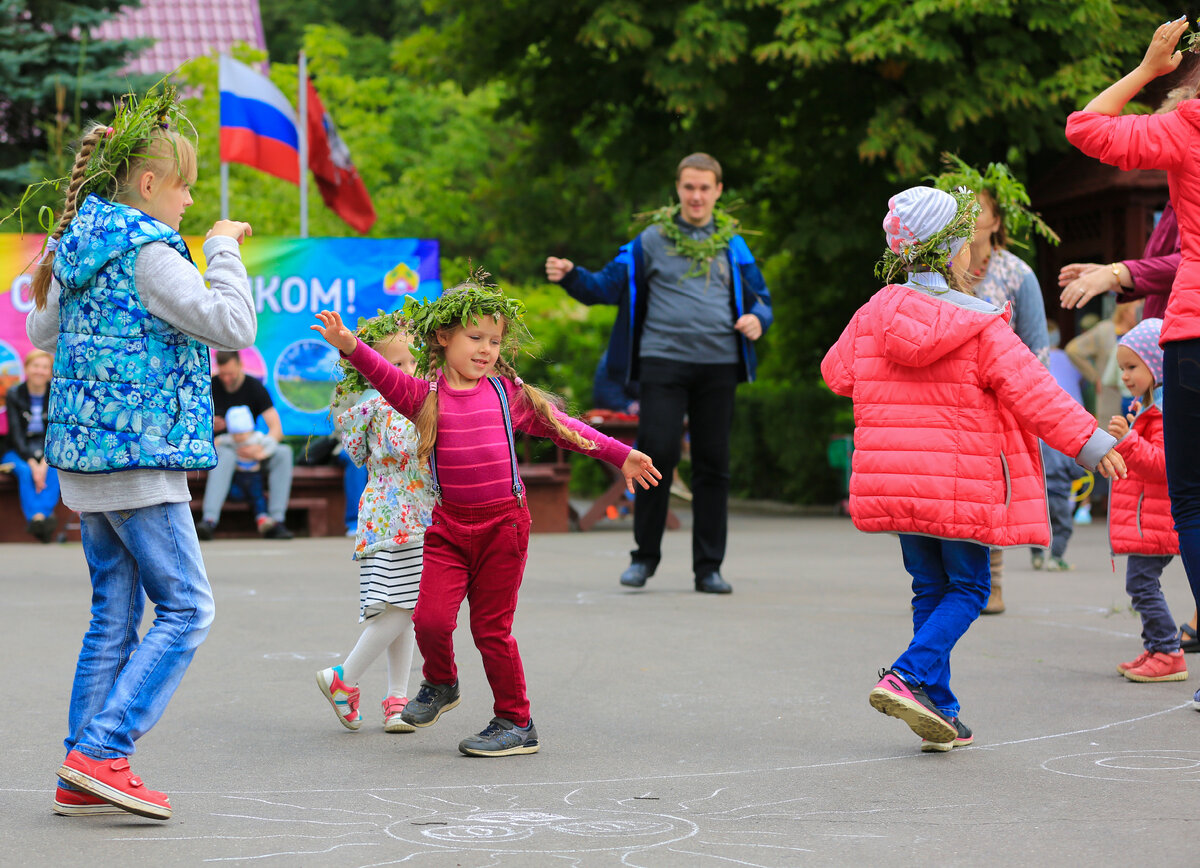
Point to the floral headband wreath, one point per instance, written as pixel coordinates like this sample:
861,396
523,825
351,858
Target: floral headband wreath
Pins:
135,122
1009,194
932,253
467,303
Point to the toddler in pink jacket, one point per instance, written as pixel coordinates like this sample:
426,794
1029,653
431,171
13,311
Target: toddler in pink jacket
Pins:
948,408
1139,513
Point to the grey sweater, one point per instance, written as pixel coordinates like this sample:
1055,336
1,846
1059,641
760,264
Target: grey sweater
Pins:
171,288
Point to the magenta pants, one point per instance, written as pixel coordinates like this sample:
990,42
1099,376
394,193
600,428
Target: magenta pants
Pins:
476,552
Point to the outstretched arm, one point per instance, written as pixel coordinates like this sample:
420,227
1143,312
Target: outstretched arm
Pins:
638,467
403,392
1161,58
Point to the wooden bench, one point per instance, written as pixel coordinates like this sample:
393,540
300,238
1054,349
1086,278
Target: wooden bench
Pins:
316,507
12,519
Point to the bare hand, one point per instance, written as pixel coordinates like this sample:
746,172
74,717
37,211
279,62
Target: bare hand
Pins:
1161,56
639,466
749,325
557,269
251,452
1112,465
1087,286
1073,270
235,229
38,469
334,332
1118,426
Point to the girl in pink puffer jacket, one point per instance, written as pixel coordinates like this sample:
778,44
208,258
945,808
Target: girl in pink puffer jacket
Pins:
1139,512
948,408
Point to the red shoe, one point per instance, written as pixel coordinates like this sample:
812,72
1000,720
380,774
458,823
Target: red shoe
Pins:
74,803
1134,663
1160,667
114,782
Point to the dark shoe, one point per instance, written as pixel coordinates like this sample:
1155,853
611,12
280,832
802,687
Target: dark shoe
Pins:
430,702
205,529
909,702
963,739
713,584
637,573
1188,641
278,531
501,738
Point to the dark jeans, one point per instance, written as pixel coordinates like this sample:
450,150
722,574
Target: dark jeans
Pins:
1181,421
1061,471
1142,573
704,394
247,486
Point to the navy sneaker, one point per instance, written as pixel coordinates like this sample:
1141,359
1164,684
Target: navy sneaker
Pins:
430,702
898,698
1196,701
963,738
501,738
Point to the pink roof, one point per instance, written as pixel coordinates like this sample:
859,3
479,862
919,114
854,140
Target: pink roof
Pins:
184,29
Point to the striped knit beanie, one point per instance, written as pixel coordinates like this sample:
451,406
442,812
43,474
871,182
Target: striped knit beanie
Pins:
916,215
1143,340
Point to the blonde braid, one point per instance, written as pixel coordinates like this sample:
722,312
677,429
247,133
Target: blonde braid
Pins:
427,417
45,270
543,405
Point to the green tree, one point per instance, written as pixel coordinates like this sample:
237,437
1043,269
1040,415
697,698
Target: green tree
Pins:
52,76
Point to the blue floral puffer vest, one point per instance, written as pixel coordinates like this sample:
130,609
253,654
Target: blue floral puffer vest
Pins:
129,390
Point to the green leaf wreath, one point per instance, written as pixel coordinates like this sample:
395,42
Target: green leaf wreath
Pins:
1009,193
701,251
932,254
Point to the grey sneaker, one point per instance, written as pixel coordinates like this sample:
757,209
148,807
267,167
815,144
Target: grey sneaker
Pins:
501,738
431,700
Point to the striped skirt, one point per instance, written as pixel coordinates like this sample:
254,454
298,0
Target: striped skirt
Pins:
389,577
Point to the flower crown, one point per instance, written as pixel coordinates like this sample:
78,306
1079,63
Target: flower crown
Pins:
932,253
462,305
1009,193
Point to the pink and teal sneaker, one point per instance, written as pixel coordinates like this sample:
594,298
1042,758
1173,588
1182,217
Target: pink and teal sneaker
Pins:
897,698
341,696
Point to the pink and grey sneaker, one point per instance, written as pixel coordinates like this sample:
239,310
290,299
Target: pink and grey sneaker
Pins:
963,738
112,781
895,697
393,707
77,803
341,696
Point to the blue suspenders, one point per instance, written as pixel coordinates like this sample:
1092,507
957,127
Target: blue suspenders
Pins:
518,488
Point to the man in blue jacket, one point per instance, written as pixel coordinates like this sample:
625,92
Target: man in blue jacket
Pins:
691,302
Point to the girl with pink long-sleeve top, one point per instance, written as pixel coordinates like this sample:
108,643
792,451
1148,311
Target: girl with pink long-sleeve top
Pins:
477,545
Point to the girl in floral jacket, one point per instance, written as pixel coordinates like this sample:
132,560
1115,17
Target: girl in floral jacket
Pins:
395,508
948,407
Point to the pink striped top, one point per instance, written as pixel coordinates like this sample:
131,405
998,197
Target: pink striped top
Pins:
472,448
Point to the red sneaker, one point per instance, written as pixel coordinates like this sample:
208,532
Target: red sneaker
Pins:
114,782
1134,663
1160,667
74,803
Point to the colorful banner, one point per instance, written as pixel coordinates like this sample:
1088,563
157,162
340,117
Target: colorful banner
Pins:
292,278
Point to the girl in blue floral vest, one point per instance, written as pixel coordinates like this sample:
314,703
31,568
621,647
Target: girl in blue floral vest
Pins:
127,315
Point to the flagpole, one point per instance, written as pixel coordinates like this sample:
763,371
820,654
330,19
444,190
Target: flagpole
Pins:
302,129
224,190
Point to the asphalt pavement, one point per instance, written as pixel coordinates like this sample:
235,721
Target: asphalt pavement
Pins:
677,728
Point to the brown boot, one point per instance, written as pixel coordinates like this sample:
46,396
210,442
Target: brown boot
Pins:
995,603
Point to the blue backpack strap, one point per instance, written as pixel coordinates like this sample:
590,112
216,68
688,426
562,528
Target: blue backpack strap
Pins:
518,487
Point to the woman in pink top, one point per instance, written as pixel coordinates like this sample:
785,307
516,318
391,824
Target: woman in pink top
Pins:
1168,141
478,542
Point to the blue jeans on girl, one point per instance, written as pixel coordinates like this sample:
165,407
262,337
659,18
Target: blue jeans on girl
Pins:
118,695
951,580
1181,421
33,502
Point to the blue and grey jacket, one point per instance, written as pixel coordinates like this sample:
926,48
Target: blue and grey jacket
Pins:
129,390
623,282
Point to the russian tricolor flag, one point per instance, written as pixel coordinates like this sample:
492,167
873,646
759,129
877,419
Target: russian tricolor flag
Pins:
258,124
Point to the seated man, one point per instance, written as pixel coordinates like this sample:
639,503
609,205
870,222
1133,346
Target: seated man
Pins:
248,476
232,388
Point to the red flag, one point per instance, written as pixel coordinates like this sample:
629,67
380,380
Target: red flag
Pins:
337,179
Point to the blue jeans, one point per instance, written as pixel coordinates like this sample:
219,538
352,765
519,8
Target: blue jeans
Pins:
33,502
354,480
1181,421
1142,572
951,580
119,695
1061,472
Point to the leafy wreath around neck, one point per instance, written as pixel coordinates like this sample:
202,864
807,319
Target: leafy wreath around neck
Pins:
700,251
1010,195
932,254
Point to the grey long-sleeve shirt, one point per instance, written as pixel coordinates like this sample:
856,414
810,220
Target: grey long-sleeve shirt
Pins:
221,315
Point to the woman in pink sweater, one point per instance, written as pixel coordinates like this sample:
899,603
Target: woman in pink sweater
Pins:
478,541
1168,141
948,408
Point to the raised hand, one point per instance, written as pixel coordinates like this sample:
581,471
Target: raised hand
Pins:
235,229
332,329
557,269
1161,56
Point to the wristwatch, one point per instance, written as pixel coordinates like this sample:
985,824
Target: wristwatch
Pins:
1116,270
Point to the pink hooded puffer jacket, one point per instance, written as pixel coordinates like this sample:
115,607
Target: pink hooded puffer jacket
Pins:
1139,509
948,406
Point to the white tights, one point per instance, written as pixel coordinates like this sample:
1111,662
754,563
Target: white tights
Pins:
390,630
